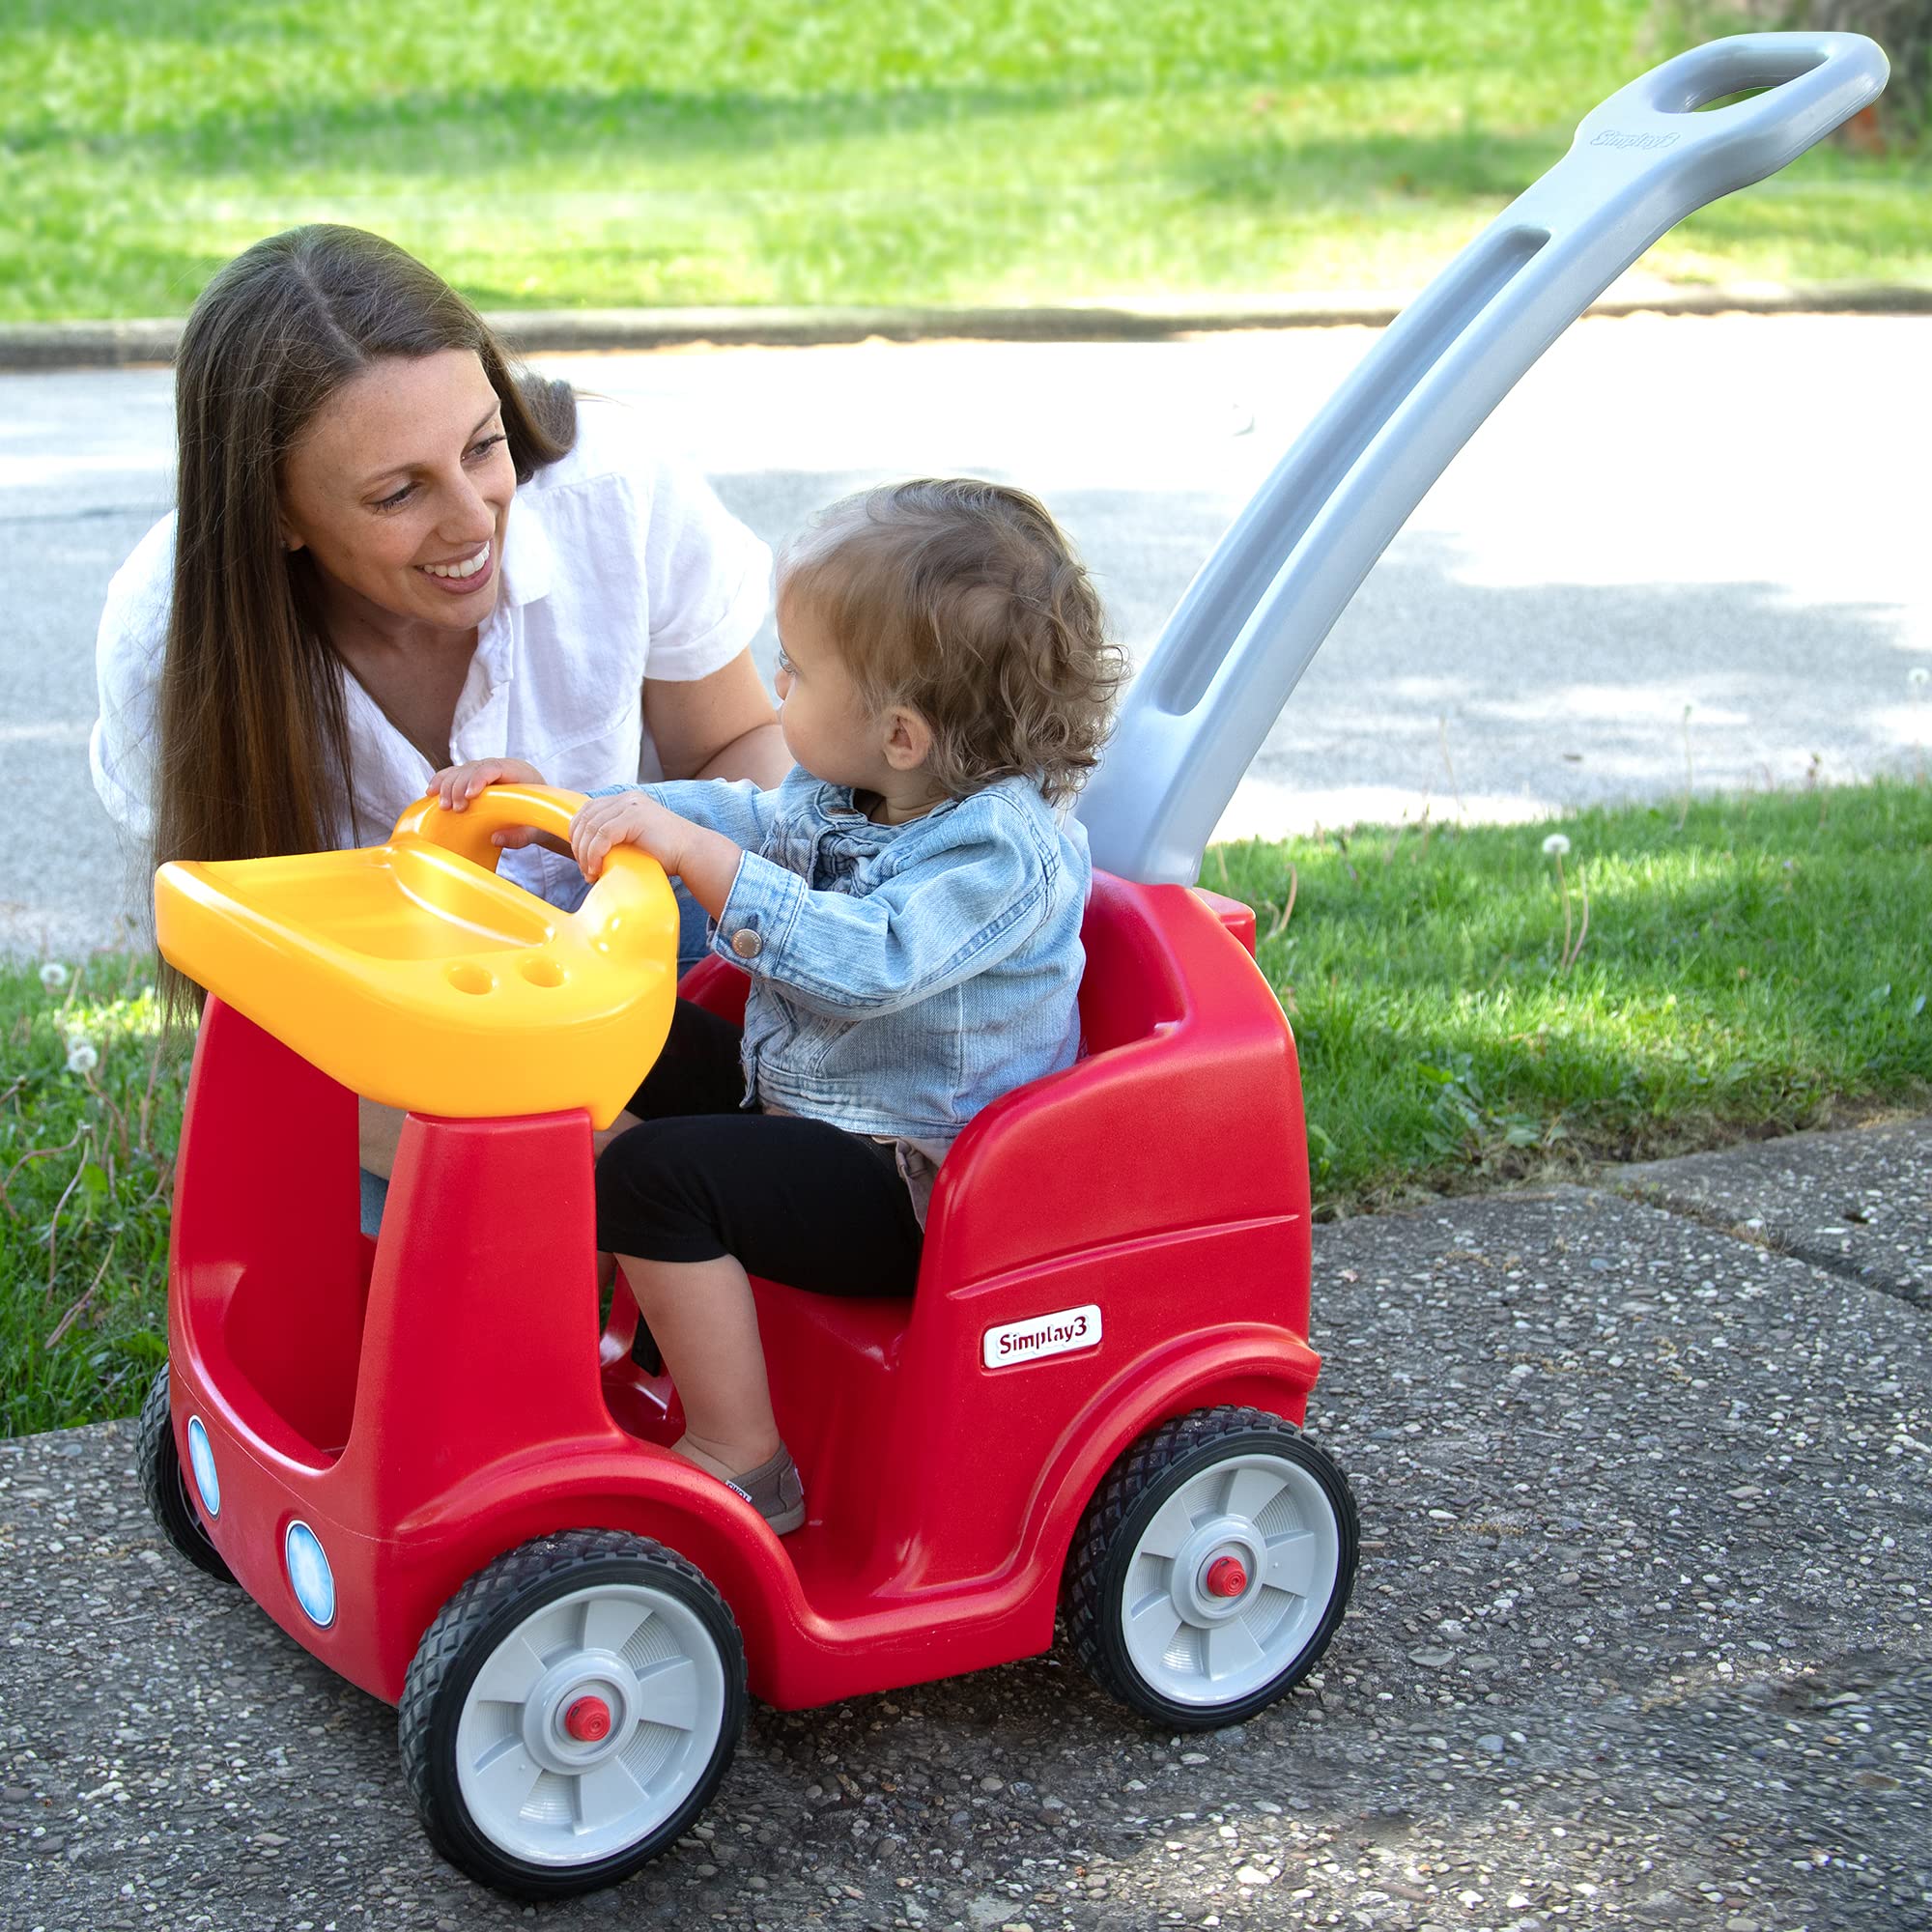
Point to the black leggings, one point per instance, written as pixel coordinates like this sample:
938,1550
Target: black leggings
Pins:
796,1201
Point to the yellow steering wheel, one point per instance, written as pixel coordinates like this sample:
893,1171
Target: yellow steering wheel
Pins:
414,976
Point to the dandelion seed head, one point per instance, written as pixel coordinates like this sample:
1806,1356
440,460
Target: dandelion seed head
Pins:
1918,675
1556,846
53,976
81,1056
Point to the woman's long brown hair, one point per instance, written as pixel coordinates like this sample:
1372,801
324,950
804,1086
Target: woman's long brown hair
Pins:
253,751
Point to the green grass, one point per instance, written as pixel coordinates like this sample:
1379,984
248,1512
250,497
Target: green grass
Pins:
827,150
86,1165
1759,967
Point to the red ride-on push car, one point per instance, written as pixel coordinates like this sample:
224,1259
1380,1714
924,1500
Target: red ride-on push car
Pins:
418,1454
415,1455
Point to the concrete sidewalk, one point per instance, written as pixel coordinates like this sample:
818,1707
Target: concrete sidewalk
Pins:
1639,1638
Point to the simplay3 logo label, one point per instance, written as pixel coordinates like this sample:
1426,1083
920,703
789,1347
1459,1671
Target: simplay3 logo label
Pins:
1017,1341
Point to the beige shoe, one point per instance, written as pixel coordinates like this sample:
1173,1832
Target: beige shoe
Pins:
775,1490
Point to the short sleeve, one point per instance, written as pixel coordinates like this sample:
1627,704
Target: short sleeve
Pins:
127,653
707,577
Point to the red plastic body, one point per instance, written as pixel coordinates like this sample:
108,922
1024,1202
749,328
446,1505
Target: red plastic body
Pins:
429,1401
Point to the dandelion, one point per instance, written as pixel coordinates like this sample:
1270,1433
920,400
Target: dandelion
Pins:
1554,847
1918,676
53,976
81,1056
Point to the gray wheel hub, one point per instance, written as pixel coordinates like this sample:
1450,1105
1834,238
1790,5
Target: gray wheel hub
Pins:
592,1677
1200,1634
589,1723
1201,1579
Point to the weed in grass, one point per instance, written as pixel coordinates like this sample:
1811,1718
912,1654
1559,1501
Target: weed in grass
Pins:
1279,925
1689,771
1465,1126
1556,847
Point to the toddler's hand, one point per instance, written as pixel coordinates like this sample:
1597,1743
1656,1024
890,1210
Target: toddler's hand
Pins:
456,785
628,818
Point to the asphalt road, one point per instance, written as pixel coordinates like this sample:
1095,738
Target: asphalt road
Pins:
1683,549
1639,1640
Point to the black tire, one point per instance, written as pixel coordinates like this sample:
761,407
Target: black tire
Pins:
1288,1630
503,1598
164,1482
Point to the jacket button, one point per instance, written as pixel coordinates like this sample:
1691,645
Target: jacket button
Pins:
746,944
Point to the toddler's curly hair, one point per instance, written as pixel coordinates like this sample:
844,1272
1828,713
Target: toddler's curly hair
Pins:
964,600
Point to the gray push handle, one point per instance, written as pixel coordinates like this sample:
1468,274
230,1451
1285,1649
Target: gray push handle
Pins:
1247,628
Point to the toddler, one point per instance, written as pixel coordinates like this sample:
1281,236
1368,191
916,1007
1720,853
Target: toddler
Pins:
908,904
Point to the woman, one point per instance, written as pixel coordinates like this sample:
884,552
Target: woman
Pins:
392,551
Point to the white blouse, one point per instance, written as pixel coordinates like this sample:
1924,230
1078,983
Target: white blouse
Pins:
618,564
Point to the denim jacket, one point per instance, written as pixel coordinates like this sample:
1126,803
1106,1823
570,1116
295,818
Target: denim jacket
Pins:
902,976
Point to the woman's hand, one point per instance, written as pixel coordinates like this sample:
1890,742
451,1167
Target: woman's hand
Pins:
456,785
706,860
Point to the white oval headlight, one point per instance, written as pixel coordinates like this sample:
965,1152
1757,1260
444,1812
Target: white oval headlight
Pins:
201,1459
309,1575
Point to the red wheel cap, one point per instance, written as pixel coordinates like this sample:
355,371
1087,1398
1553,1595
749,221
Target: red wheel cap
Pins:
588,1721
1226,1577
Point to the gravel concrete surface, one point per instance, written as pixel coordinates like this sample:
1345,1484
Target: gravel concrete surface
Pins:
1856,1204
1639,1638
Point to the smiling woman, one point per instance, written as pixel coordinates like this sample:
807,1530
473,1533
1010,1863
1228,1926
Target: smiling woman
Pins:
393,550
400,494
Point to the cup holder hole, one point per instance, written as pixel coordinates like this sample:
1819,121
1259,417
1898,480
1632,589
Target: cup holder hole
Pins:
542,972
470,978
